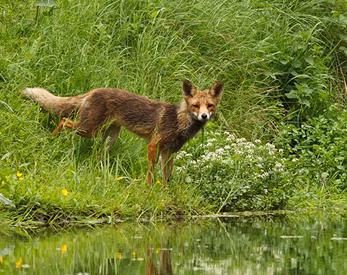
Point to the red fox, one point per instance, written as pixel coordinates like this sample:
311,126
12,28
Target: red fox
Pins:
166,127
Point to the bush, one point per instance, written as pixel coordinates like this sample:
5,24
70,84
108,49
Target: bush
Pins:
234,174
318,149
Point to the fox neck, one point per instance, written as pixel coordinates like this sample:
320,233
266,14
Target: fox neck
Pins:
187,125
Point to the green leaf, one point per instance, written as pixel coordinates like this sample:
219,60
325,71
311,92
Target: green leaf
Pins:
292,94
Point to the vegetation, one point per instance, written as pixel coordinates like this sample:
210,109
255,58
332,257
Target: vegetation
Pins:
282,63
237,174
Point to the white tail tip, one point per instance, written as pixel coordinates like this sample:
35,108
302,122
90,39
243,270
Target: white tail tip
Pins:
27,91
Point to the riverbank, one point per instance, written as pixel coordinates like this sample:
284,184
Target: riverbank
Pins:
277,142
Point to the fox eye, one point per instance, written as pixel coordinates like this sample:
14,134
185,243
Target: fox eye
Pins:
210,106
196,105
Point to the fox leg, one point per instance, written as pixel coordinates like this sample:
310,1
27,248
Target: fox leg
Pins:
152,159
68,123
64,122
111,134
167,165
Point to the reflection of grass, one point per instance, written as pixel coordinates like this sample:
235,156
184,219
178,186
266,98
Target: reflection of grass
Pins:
148,47
245,245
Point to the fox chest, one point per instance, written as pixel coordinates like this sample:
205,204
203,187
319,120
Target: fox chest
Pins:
174,141
175,131
174,144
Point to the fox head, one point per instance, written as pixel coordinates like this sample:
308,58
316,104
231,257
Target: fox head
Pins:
201,105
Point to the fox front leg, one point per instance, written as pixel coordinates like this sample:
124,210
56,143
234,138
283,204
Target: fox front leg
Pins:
167,166
152,159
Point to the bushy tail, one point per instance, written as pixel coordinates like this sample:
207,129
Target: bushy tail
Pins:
61,106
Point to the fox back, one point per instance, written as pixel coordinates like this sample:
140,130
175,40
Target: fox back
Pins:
165,126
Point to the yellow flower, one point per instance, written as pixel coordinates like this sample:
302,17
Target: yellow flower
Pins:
120,178
19,263
64,192
133,254
1,259
19,175
158,182
63,249
118,255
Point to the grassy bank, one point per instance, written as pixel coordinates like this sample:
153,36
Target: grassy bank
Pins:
283,69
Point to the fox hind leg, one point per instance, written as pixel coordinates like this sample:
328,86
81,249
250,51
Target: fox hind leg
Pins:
110,135
64,122
68,123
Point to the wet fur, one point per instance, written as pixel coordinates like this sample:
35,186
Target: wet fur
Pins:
165,126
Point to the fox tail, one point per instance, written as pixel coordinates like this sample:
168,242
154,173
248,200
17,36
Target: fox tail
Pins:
61,106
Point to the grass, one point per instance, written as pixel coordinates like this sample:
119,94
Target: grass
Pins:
265,52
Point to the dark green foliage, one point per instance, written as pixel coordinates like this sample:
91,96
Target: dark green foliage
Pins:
318,149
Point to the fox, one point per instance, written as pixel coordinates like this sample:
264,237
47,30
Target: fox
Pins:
166,127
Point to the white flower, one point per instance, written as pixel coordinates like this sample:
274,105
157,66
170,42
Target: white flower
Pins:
229,136
264,175
218,178
220,151
209,144
241,140
271,148
325,175
192,162
278,167
179,169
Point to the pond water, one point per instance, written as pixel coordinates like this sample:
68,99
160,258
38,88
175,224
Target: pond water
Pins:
295,244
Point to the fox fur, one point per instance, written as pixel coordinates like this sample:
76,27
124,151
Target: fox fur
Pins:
166,127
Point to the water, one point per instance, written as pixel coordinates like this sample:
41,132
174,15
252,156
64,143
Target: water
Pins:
299,244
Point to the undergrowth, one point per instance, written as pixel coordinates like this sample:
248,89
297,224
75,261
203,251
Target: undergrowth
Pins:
282,63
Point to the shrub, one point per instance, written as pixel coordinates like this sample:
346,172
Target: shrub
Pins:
318,149
235,174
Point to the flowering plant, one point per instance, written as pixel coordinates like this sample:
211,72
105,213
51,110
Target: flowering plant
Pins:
235,174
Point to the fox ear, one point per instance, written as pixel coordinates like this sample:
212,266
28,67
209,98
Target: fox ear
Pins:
189,89
217,89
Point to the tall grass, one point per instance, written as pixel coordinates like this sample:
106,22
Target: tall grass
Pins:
273,57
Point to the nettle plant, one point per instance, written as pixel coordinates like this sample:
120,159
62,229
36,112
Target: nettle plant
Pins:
235,174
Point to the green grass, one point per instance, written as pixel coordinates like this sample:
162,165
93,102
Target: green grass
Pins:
276,59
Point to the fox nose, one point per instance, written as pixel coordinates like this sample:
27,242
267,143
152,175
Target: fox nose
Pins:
204,116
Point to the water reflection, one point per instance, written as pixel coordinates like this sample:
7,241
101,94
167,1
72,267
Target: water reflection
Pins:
165,262
289,245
